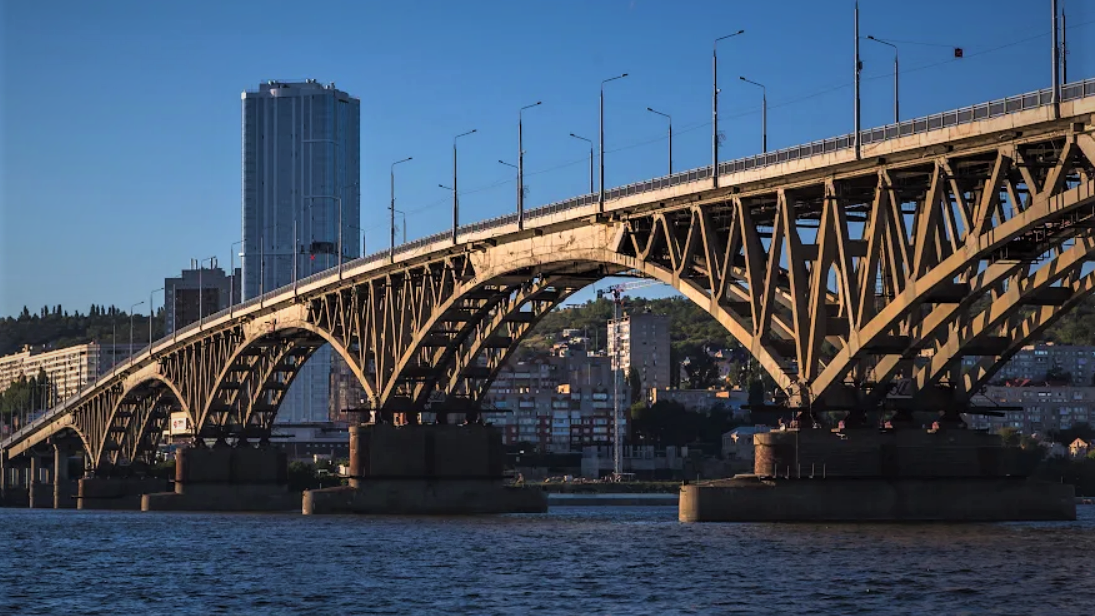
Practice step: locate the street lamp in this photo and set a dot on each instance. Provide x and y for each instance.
(518, 187)
(521, 167)
(150, 294)
(403, 224)
(140, 303)
(455, 198)
(601, 198)
(764, 112)
(670, 118)
(896, 104)
(231, 272)
(201, 266)
(391, 209)
(715, 106)
(590, 160)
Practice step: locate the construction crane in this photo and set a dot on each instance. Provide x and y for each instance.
(617, 291)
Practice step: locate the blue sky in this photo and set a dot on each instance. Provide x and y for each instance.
(120, 120)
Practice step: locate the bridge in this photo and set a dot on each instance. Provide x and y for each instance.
(857, 282)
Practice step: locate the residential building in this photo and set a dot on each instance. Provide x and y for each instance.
(1079, 448)
(556, 403)
(301, 204)
(641, 341)
(737, 444)
(198, 292)
(69, 369)
(1035, 361)
(1044, 408)
(703, 399)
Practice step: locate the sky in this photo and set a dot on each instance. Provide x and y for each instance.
(120, 121)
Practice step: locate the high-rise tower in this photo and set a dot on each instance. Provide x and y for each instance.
(301, 183)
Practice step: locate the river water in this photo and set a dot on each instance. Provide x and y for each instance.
(594, 560)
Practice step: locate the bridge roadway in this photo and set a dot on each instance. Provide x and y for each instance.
(856, 283)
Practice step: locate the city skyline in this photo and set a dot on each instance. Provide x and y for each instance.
(191, 186)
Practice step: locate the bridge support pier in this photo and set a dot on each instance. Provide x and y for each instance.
(15, 482)
(40, 493)
(425, 469)
(223, 478)
(808, 475)
(115, 493)
(64, 488)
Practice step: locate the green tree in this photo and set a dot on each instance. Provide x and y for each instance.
(702, 370)
(1010, 436)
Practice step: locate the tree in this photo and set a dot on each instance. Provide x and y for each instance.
(701, 369)
(1057, 376)
(1010, 436)
(1081, 430)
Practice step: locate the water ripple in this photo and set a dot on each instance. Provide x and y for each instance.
(615, 560)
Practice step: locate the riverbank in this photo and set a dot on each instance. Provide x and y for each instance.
(613, 500)
(596, 487)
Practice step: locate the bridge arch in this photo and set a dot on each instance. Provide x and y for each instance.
(251, 385)
(518, 278)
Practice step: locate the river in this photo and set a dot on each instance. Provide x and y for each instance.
(591, 560)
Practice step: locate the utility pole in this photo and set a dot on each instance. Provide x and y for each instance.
(715, 107)
(1064, 47)
(521, 167)
(1056, 99)
(601, 195)
(858, 68)
(391, 212)
(455, 196)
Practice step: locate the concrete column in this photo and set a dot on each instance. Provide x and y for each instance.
(32, 480)
(3, 478)
(63, 486)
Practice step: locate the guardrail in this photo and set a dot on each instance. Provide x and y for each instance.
(964, 115)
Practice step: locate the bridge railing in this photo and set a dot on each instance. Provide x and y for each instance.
(964, 115)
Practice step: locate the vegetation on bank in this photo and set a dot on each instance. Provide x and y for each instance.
(1034, 458)
(55, 326)
(596, 487)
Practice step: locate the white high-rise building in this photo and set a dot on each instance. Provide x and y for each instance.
(301, 183)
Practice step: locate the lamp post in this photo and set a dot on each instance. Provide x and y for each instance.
(140, 303)
(404, 224)
(201, 266)
(857, 138)
(590, 160)
(150, 313)
(715, 106)
(391, 209)
(764, 112)
(521, 167)
(601, 197)
(670, 118)
(231, 272)
(896, 103)
(455, 198)
(520, 223)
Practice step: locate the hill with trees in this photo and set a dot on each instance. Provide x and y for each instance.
(56, 327)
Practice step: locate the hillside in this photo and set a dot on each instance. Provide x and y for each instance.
(56, 326)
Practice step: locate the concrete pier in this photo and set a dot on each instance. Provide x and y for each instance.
(813, 475)
(115, 492)
(227, 479)
(953, 499)
(64, 488)
(430, 469)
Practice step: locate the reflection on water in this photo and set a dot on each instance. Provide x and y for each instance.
(610, 560)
